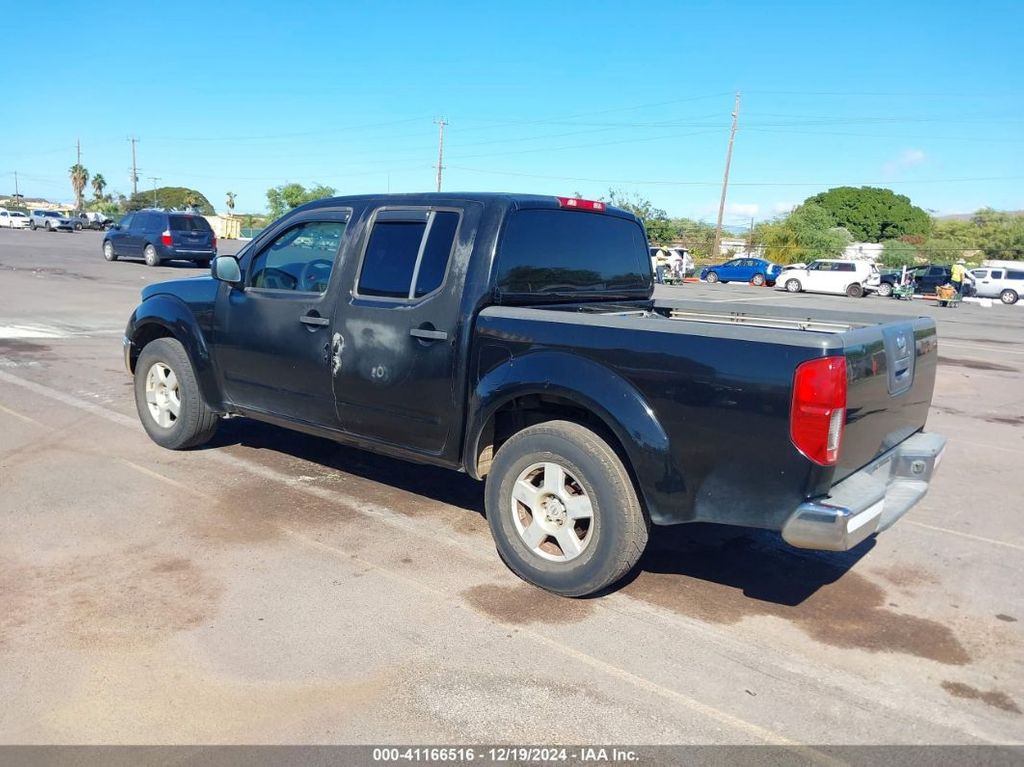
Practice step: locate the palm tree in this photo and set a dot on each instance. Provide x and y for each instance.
(98, 185)
(79, 178)
(231, 203)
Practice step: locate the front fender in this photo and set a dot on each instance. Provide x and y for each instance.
(165, 315)
(595, 388)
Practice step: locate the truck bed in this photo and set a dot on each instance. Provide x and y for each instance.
(719, 380)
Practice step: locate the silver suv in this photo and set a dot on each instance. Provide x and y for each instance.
(999, 282)
(50, 220)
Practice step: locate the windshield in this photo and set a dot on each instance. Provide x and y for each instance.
(51, 214)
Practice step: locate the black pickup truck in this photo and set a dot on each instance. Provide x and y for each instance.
(515, 338)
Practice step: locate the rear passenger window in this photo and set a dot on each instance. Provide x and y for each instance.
(407, 247)
(847, 268)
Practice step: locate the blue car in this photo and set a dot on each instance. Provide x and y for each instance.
(756, 271)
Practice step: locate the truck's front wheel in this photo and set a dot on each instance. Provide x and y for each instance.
(562, 509)
(167, 397)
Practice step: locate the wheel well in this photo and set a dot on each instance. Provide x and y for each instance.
(143, 336)
(522, 412)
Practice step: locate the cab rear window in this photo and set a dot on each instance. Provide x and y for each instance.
(560, 252)
(189, 224)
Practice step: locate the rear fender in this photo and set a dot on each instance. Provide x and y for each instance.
(592, 387)
(165, 315)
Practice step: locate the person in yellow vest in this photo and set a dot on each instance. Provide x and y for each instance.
(957, 275)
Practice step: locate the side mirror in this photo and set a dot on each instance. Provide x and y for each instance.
(226, 269)
(116, 226)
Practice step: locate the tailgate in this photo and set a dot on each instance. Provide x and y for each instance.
(891, 376)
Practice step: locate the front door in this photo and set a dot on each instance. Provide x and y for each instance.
(396, 336)
(273, 336)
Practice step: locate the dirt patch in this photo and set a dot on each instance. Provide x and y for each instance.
(1010, 420)
(725, 581)
(976, 364)
(22, 346)
(526, 604)
(1006, 618)
(906, 577)
(128, 597)
(995, 698)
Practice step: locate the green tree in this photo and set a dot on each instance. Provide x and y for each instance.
(281, 199)
(872, 214)
(98, 185)
(79, 178)
(170, 197)
(656, 221)
(698, 237)
(1000, 235)
(898, 253)
(809, 232)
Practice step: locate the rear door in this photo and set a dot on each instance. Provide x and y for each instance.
(396, 334)
(190, 234)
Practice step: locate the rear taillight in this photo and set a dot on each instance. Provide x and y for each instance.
(818, 413)
(214, 242)
(578, 204)
(166, 238)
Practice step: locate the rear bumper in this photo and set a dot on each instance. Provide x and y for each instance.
(870, 500)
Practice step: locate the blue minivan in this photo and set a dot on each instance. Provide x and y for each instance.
(756, 271)
(159, 235)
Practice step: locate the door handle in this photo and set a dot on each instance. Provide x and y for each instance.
(314, 320)
(428, 334)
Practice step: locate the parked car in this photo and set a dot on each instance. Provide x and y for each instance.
(516, 338)
(92, 220)
(928, 278)
(688, 266)
(756, 271)
(13, 219)
(831, 275)
(159, 235)
(999, 282)
(50, 220)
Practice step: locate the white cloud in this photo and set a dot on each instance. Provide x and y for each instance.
(908, 159)
(743, 208)
(783, 207)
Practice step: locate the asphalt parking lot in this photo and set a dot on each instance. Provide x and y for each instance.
(278, 588)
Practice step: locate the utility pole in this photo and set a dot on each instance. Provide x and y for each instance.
(725, 178)
(17, 196)
(154, 179)
(135, 172)
(440, 149)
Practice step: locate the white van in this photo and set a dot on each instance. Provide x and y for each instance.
(831, 275)
(1006, 284)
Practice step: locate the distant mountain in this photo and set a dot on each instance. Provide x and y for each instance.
(969, 216)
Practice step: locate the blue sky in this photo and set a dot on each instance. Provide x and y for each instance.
(540, 97)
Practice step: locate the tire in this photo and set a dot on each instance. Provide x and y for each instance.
(602, 547)
(884, 289)
(78, 226)
(151, 256)
(758, 280)
(32, 225)
(164, 374)
(202, 263)
(48, 227)
(794, 286)
(855, 290)
(711, 277)
(1008, 297)
(108, 251)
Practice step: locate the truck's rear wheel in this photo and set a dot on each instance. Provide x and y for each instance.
(151, 256)
(563, 511)
(855, 290)
(167, 397)
(885, 289)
